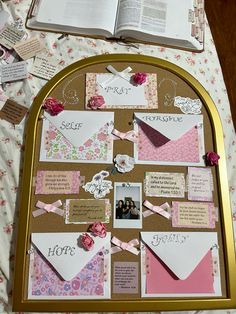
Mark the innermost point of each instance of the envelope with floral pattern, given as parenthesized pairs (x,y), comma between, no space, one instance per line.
(77,136)
(169,139)
(180,264)
(60,268)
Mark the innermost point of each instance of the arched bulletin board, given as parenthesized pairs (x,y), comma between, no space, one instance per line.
(135,278)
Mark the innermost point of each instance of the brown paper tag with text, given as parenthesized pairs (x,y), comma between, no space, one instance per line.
(13,112)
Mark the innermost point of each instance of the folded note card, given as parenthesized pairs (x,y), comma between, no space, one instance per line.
(200,184)
(61,269)
(169,139)
(193,215)
(164,184)
(121,93)
(178,264)
(77,136)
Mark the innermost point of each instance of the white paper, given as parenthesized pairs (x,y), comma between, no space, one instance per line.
(3,18)
(44,66)
(13,72)
(10,35)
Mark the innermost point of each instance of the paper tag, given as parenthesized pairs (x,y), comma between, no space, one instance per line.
(28,48)
(10,36)
(13,72)
(99,187)
(193,215)
(200,184)
(125,277)
(163,184)
(87,211)
(13,112)
(57,182)
(44,66)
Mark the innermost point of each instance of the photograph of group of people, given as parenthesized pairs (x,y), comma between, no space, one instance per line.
(128,205)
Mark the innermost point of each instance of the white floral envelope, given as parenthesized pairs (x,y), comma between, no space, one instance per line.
(77,136)
(60,268)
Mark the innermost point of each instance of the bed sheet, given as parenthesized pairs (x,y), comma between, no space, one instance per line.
(203,66)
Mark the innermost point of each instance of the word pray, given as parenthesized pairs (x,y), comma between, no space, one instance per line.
(118,90)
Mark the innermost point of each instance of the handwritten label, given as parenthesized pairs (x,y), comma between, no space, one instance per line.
(57,182)
(87,211)
(13,112)
(200,184)
(10,36)
(14,72)
(193,215)
(28,48)
(44,66)
(168,238)
(125,277)
(162,184)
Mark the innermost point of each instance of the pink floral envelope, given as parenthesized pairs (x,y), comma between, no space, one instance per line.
(122,94)
(60,268)
(77,136)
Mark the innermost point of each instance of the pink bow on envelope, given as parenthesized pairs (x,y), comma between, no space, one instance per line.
(131,136)
(124,246)
(156,209)
(47,208)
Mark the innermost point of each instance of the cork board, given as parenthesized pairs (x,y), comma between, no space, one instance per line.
(70,90)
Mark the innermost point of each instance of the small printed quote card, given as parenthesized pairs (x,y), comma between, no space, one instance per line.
(57,182)
(121,93)
(125,277)
(13,72)
(10,35)
(87,211)
(193,215)
(163,184)
(200,184)
(28,48)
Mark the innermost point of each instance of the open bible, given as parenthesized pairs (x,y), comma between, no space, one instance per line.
(178,23)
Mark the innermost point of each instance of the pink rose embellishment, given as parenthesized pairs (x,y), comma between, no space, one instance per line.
(53,106)
(96,102)
(211,159)
(139,78)
(87,241)
(99,229)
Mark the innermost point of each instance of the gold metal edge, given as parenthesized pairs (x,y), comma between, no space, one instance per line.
(127,305)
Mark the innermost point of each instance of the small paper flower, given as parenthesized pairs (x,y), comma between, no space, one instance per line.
(211,159)
(99,229)
(124,163)
(139,78)
(53,106)
(96,102)
(87,241)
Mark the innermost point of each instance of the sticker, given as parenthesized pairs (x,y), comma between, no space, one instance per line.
(99,187)
(188,105)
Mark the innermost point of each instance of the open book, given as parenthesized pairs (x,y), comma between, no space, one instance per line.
(178,23)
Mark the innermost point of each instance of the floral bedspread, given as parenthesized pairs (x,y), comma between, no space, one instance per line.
(204,66)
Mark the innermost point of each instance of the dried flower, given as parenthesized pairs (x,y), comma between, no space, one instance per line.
(211,159)
(53,106)
(124,163)
(96,102)
(99,229)
(87,241)
(139,78)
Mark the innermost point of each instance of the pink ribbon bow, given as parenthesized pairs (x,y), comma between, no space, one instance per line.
(131,136)
(122,246)
(156,209)
(47,208)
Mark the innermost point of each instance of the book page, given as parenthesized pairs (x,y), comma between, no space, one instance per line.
(83,14)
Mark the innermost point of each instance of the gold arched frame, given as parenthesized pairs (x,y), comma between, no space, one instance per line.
(20,303)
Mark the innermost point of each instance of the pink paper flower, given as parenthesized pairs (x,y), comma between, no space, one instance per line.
(87,241)
(211,159)
(139,78)
(53,106)
(99,229)
(96,102)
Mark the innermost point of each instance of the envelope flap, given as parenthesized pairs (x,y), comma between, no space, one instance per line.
(180,251)
(172,126)
(78,126)
(63,253)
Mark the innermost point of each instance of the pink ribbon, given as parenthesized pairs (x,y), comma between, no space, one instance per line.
(156,209)
(131,136)
(124,246)
(48,208)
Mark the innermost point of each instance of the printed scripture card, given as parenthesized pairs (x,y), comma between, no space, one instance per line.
(28,48)
(13,72)
(169,139)
(57,182)
(77,136)
(125,277)
(200,184)
(87,211)
(163,184)
(127,211)
(193,215)
(121,93)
